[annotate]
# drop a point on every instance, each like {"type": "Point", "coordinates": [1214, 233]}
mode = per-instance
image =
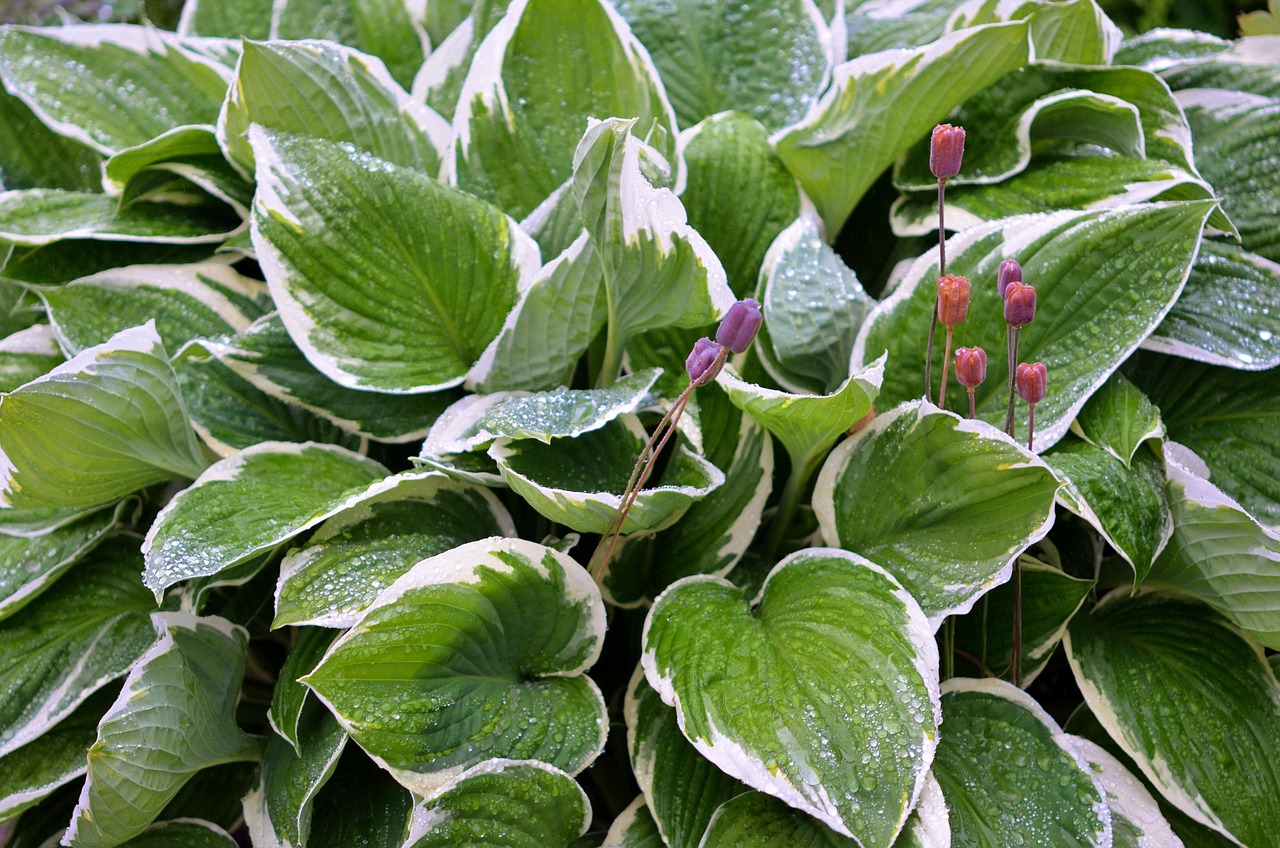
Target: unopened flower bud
{"type": "Point", "coordinates": [946, 150]}
{"type": "Point", "coordinates": [739, 325]}
{"type": "Point", "coordinates": [1032, 382]}
{"type": "Point", "coordinates": [971, 366]}
{"type": "Point", "coordinates": [1019, 304]}
{"type": "Point", "coordinates": [705, 362]}
{"type": "Point", "coordinates": [1010, 272]}
{"type": "Point", "coordinates": [953, 300]}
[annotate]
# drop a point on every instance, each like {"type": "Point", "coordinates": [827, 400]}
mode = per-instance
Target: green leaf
{"type": "Point", "coordinates": [768, 694]}
{"type": "Point", "coordinates": [503, 804]}
{"type": "Point", "coordinates": [1118, 418]}
{"type": "Point", "coordinates": [1219, 553]}
{"type": "Point", "coordinates": [1167, 47]}
{"type": "Point", "coordinates": [738, 194]}
{"type": "Point", "coordinates": [1076, 32]}
{"type": "Point", "coordinates": [456, 36]}
{"type": "Point", "coordinates": [175, 716]}
{"type": "Point", "coordinates": [1049, 600]}
{"type": "Point", "coordinates": [96, 428]}
{"type": "Point", "coordinates": [110, 87]}
{"type": "Point", "coordinates": [186, 302]}
{"type": "Point", "coordinates": [1240, 332]}
{"type": "Point", "coordinates": [1191, 700]}
{"type": "Point", "coordinates": [250, 502]}
{"type": "Point", "coordinates": [34, 156]}
{"type": "Point", "coordinates": [1246, 65]}
{"type": "Point", "coordinates": [1136, 820]}
{"type": "Point", "coordinates": [680, 786]}
{"type": "Point", "coordinates": [289, 696]}
{"type": "Point", "coordinates": [184, 150]}
{"type": "Point", "coordinates": [1240, 128]}
{"type": "Point", "coordinates": [566, 413]}
{"type": "Point", "coordinates": [361, 551]}
{"type": "Point", "coordinates": [1126, 505]}
{"type": "Point", "coordinates": [278, 810]}
{"type": "Point", "coordinates": [580, 482]}
{"type": "Point", "coordinates": [226, 18]}
{"type": "Point", "coordinates": [404, 317]}
{"type": "Point", "coordinates": [329, 91]}
{"type": "Point", "coordinates": [38, 216]}
{"type": "Point", "coordinates": [189, 833]}
{"type": "Point", "coordinates": [715, 57]}
{"type": "Point", "coordinates": [1103, 281]}
{"type": "Point", "coordinates": [476, 653]}
{"type": "Point", "coordinates": [524, 106]}
{"type": "Point", "coordinates": [839, 150]}
{"type": "Point", "coordinates": [360, 805]}
{"type": "Point", "coordinates": [929, 825]}
{"type": "Point", "coordinates": [634, 828]}
{"type": "Point", "coordinates": [950, 533]}
{"type": "Point", "coordinates": [755, 820]}
{"type": "Point", "coordinates": [815, 306]}
{"type": "Point", "coordinates": [871, 30]}
{"type": "Point", "coordinates": [994, 733]}
{"type": "Point", "coordinates": [63, 261]}
{"type": "Point", "coordinates": [27, 355]}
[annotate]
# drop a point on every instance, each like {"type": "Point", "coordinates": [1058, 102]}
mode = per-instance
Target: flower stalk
{"type": "Point", "coordinates": [946, 152]}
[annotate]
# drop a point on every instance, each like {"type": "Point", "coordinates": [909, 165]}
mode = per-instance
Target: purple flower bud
{"type": "Point", "coordinates": [1033, 382]}
{"type": "Point", "coordinates": [946, 150]}
{"type": "Point", "coordinates": [1010, 272]}
{"type": "Point", "coordinates": [705, 362]}
{"type": "Point", "coordinates": [971, 366]}
{"type": "Point", "coordinates": [740, 325]}
{"type": "Point", "coordinates": [953, 300]}
{"type": "Point", "coordinates": [1019, 304]}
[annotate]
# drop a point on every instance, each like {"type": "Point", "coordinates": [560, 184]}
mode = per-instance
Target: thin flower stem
{"type": "Point", "coordinates": [1031, 428]}
{"type": "Point", "coordinates": [611, 365]}
{"type": "Point", "coordinates": [946, 364]}
{"type": "Point", "coordinates": [1015, 672]}
{"type": "Point", "coordinates": [973, 412]}
{"type": "Point", "coordinates": [942, 271]}
{"type": "Point", "coordinates": [1011, 342]}
{"type": "Point", "coordinates": [942, 231]}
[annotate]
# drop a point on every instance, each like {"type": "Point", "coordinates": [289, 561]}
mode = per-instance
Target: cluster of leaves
{"type": "Point", "coordinates": [325, 360]}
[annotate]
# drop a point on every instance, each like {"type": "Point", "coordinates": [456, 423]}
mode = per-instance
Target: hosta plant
{"type": "Point", "coordinates": [333, 336]}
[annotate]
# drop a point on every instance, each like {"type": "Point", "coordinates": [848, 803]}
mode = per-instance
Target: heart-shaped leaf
{"type": "Point", "coordinates": [824, 695]}
{"type": "Point", "coordinates": [476, 653]}
{"type": "Point", "coordinates": [1118, 418]}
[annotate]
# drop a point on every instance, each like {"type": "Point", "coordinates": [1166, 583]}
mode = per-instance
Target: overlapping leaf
{"type": "Point", "coordinates": [27, 355]}
{"type": "Point", "coordinates": [39, 216]}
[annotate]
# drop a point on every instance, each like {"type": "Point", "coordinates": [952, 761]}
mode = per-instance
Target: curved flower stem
{"type": "Point", "coordinates": [788, 503]}
{"type": "Point", "coordinates": [946, 364]}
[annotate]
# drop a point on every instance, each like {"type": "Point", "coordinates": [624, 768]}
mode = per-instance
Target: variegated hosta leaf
{"type": "Point", "coordinates": [476, 653]}
{"type": "Point", "coordinates": [815, 306]}
{"type": "Point", "coordinates": [175, 716]}
{"type": "Point", "coordinates": [1136, 820]}
{"type": "Point", "coordinates": [929, 825]}
{"type": "Point", "coordinates": [186, 302]}
{"type": "Point", "coordinates": [31, 523]}
{"type": "Point", "coordinates": [755, 820]}
{"type": "Point", "coordinates": [841, 147]}
{"type": "Point", "coordinates": [1003, 761]}
{"type": "Point", "coordinates": [1242, 331]}
{"type": "Point", "coordinates": [1050, 598]}
{"type": "Point", "coordinates": [61, 262]}
{"type": "Point", "coordinates": [360, 805]}
{"type": "Point", "coordinates": [191, 152]}
{"type": "Point", "coordinates": [408, 315]}
{"type": "Point", "coordinates": [27, 355]}
{"type": "Point", "coordinates": [1126, 109]}
{"type": "Point", "coordinates": [523, 107]}
{"type": "Point", "coordinates": [824, 695]}
{"type": "Point", "coordinates": [357, 553]}
{"type": "Point", "coordinates": [768, 59]}
{"type": "Point", "coordinates": [102, 627]}
{"type": "Point", "coordinates": [226, 18]}
{"type": "Point", "coordinates": [1191, 700]}
{"type": "Point", "coordinates": [634, 828]}
{"type": "Point", "coordinates": [327, 90]}
{"type": "Point", "coordinates": [72, 77]}
{"type": "Point", "coordinates": [384, 28]}
{"type": "Point", "coordinates": [96, 428]}
{"type": "Point", "coordinates": [278, 811]}
{"type": "Point", "coordinates": [1127, 505]}
{"type": "Point", "coordinates": [944, 504]}
{"type": "Point", "coordinates": [1078, 31]}
{"type": "Point", "coordinates": [1218, 552]}
{"type": "Point", "coordinates": [250, 502]}
{"type": "Point", "coordinates": [872, 27]}
{"type": "Point", "coordinates": [580, 482]}
{"type": "Point", "coordinates": [181, 833]}
{"type": "Point", "coordinates": [681, 787]}
{"type": "Point", "coordinates": [457, 28]}
{"type": "Point", "coordinates": [1103, 281]}
{"type": "Point", "coordinates": [1118, 418]}
{"type": "Point", "coordinates": [1164, 48]}
{"type": "Point", "coordinates": [39, 216]}
{"type": "Point", "coordinates": [34, 156]}
{"type": "Point", "coordinates": [713, 534]}
{"type": "Point", "coordinates": [290, 696]}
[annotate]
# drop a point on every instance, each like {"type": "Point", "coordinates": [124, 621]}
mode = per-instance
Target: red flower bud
{"type": "Point", "coordinates": [1010, 272]}
{"type": "Point", "coordinates": [1032, 382]}
{"type": "Point", "coordinates": [704, 362]}
{"type": "Point", "coordinates": [953, 300]}
{"type": "Point", "coordinates": [1019, 304]}
{"type": "Point", "coordinates": [971, 366]}
{"type": "Point", "coordinates": [739, 325]}
{"type": "Point", "coordinates": [946, 150]}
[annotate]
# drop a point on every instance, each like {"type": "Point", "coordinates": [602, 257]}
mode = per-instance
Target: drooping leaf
{"type": "Point", "coordinates": [565, 413]}
{"type": "Point", "coordinates": [27, 355]}
{"type": "Point", "coordinates": [942, 503]}
{"type": "Point", "coordinates": [1136, 821]}
{"type": "Point", "coordinates": [34, 156]}
{"type": "Point", "coordinates": [1198, 60]}
{"type": "Point", "coordinates": [63, 261]}
{"type": "Point", "coordinates": [96, 428]}
{"type": "Point", "coordinates": [289, 696]}
{"type": "Point", "coordinates": [38, 216]}
{"type": "Point", "coordinates": [1103, 281]}
{"type": "Point", "coordinates": [755, 820]}
{"type": "Point", "coordinates": [410, 316]}
{"type": "Point", "coordinates": [769, 694]}
{"type": "Point", "coordinates": [278, 811]}
{"type": "Point", "coordinates": [250, 502]}
{"type": "Point", "coordinates": [188, 833]}
{"type": "Point", "coordinates": [1076, 32]}
{"type": "Point", "coordinates": [871, 27]}
{"type": "Point", "coordinates": [1118, 418]}
{"type": "Point", "coordinates": [846, 141]}
{"type": "Point", "coordinates": [146, 748]}
{"type": "Point", "coordinates": [475, 653]}
{"type": "Point", "coordinates": [1167, 47]}
{"type": "Point", "coordinates": [189, 151]}
{"type": "Point", "coordinates": [1191, 700]}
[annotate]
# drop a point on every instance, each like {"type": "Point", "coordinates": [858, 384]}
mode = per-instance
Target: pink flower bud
{"type": "Point", "coordinates": [953, 300]}
{"type": "Point", "coordinates": [971, 366]}
{"type": "Point", "coordinates": [1019, 304]}
{"type": "Point", "coordinates": [739, 325]}
{"type": "Point", "coordinates": [1010, 272]}
{"type": "Point", "coordinates": [946, 150]}
{"type": "Point", "coordinates": [705, 362]}
{"type": "Point", "coordinates": [1032, 382]}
